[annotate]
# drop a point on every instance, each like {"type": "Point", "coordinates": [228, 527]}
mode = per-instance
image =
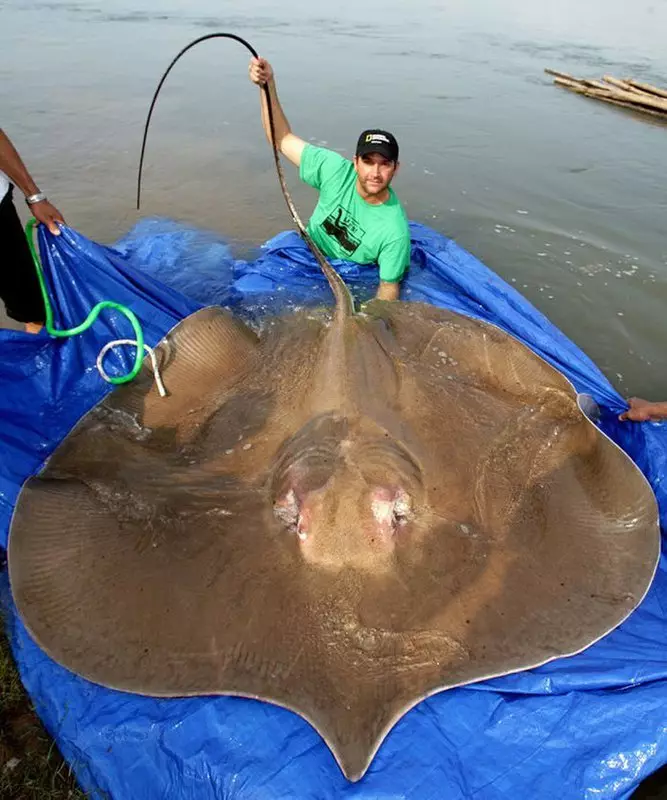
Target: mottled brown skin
{"type": "Point", "coordinates": [338, 517]}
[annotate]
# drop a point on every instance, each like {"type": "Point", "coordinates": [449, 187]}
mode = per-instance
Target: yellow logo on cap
{"type": "Point", "coordinates": [369, 137]}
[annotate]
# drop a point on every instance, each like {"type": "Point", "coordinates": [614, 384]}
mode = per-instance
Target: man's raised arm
{"type": "Point", "coordinates": [291, 146]}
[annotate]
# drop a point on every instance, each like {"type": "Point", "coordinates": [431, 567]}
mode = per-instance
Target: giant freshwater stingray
{"type": "Point", "coordinates": [342, 515]}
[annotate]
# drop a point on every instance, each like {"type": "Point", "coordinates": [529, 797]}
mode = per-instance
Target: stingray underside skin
{"type": "Point", "coordinates": [339, 516]}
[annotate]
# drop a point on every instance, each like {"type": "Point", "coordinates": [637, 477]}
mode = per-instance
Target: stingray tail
{"type": "Point", "coordinates": [344, 302]}
{"type": "Point", "coordinates": [342, 296]}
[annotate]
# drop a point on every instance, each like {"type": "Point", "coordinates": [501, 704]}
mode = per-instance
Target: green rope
{"type": "Point", "coordinates": [90, 319]}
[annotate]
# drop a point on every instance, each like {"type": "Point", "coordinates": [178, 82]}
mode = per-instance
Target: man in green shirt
{"type": "Point", "coordinates": [358, 216]}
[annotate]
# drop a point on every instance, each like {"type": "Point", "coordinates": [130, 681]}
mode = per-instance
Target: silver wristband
{"type": "Point", "coordinates": [35, 198]}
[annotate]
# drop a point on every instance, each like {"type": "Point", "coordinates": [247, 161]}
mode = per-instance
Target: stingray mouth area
{"type": "Point", "coordinates": [345, 493]}
{"type": "Point", "coordinates": [387, 511]}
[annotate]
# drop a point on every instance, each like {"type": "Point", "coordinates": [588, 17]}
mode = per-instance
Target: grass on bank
{"type": "Point", "coordinates": [31, 767]}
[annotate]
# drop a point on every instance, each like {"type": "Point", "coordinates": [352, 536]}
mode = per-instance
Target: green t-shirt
{"type": "Point", "coordinates": [345, 226]}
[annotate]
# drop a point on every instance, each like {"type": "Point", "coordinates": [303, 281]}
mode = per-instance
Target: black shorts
{"type": "Point", "coordinates": [19, 285]}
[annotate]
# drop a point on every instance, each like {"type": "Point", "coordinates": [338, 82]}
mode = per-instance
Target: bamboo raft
{"type": "Point", "coordinates": [627, 92]}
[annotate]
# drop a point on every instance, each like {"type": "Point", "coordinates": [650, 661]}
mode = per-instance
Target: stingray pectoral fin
{"type": "Point", "coordinates": [471, 350]}
{"type": "Point", "coordinates": [145, 601]}
{"type": "Point", "coordinates": [204, 355]}
{"type": "Point", "coordinates": [59, 543]}
{"type": "Point", "coordinates": [177, 612]}
{"type": "Point", "coordinates": [490, 357]}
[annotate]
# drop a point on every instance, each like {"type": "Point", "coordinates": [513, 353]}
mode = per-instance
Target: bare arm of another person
{"type": "Point", "coordinates": [17, 172]}
{"type": "Point", "coordinates": [291, 146]}
{"type": "Point", "coordinates": [388, 291]}
{"type": "Point", "coordinates": [643, 410]}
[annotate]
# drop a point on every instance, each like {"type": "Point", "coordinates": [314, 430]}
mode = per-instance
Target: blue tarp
{"type": "Point", "coordinates": [590, 726]}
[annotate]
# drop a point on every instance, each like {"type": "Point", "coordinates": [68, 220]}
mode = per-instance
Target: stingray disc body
{"type": "Point", "coordinates": [341, 517]}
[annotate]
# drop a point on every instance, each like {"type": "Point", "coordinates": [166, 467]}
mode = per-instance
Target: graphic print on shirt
{"type": "Point", "coordinates": [344, 228]}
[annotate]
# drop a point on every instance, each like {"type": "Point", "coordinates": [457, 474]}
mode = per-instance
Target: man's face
{"type": "Point", "coordinates": [375, 172]}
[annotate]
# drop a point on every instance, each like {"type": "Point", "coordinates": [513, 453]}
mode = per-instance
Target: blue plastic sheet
{"type": "Point", "coordinates": [590, 726]}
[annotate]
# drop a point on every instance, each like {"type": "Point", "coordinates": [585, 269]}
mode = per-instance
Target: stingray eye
{"type": "Point", "coordinates": [391, 507]}
{"type": "Point", "coordinates": [289, 512]}
{"type": "Point", "coordinates": [402, 512]}
{"type": "Point", "coordinates": [286, 510]}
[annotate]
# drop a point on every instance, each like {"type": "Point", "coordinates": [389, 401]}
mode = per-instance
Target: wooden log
{"type": "Point", "coordinates": [563, 75]}
{"type": "Point", "coordinates": [583, 81]}
{"type": "Point", "coordinates": [570, 83]}
{"type": "Point", "coordinates": [619, 84]}
{"type": "Point", "coordinates": [627, 86]}
{"type": "Point", "coordinates": [598, 85]}
{"type": "Point", "coordinates": [624, 93]}
{"type": "Point", "coordinates": [584, 86]}
{"type": "Point", "coordinates": [579, 88]}
{"type": "Point", "coordinates": [646, 87]}
{"type": "Point", "coordinates": [607, 97]}
{"type": "Point", "coordinates": [634, 107]}
{"type": "Point", "coordinates": [657, 103]}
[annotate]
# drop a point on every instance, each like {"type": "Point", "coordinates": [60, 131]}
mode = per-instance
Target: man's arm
{"type": "Point", "coordinates": [291, 146]}
{"type": "Point", "coordinates": [643, 410]}
{"type": "Point", "coordinates": [388, 291]}
{"type": "Point", "coordinates": [12, 165]}
{"type": "Point", "coordinates": [393, 260]}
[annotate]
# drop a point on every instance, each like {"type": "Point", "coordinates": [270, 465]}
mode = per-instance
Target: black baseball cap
{"type": "Point", "coordinates": [377, 141]}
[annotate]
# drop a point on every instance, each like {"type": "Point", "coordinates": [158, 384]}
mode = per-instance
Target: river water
{"type": "Point", "coordinates": [561, 195]}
